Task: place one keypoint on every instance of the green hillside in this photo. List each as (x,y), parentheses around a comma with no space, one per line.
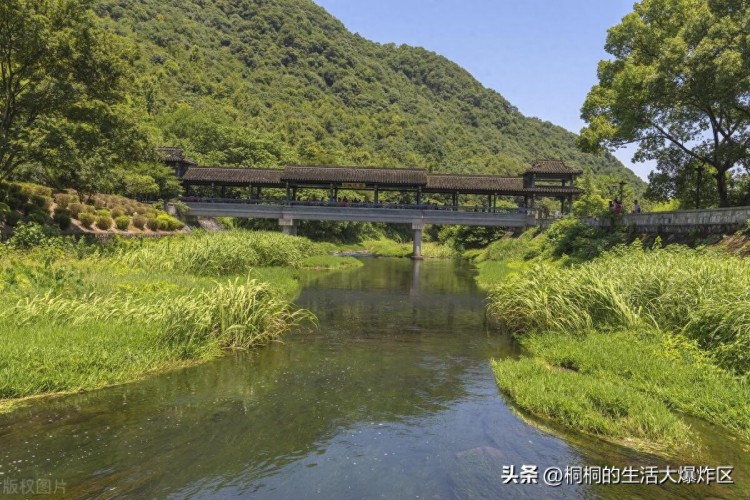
(282,81)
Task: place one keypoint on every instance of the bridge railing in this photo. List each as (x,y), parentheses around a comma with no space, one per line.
(349,204)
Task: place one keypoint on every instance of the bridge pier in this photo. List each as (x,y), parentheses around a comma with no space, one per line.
(417,228)
(288,226)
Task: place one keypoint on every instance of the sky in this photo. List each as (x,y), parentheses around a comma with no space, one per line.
(541,55)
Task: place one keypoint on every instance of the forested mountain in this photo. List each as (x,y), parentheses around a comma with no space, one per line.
(282,81)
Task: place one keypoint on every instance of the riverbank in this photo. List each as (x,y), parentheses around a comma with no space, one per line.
(84,316)
(624,344)
(386,247)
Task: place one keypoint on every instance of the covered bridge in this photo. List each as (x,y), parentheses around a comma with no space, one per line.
(545,178)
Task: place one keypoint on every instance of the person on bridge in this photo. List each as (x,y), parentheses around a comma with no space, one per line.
(636,208)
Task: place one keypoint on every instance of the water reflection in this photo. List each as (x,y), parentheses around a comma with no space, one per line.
(393,398)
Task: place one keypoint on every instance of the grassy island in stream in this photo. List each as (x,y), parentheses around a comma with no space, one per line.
(80,316)
(626,344)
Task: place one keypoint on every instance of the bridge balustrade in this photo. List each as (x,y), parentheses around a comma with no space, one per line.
(350,204)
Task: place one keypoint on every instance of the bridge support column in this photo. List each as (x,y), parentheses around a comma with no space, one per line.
(288,226)
(417,228)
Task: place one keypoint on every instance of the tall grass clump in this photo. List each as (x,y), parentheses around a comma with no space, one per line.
(79,316)
(234,315)
(701,295)
(221,254)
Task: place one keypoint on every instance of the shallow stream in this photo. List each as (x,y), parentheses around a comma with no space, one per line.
(392,397)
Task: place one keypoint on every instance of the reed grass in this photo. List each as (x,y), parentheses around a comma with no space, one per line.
(82,317)
(222,253)
(233,315)
(667,329)
(699,294)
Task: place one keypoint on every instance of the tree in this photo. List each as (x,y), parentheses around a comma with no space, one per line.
(679,177)
(680,80)
(140,186)
(60,77)
(146,180)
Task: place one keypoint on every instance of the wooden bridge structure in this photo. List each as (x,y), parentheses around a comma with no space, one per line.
(284,194)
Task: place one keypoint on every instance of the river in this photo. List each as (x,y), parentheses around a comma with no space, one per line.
(391,397)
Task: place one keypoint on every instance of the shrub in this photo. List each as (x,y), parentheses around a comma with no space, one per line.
(16,201)
(28,207)
(122,222)
(38,216)
(99,203)
(30,190)
(4,211)
(62,218)
(41,201)
(152,224)
(103,213)
(27,236)
(13,217)
(139,221)
(87,219)
(168,223)
(117,212)
(163,223)
(65,200)
(75,209)
(104,222)
(175,224)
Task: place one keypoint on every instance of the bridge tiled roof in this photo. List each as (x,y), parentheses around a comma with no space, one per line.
(239,176)
(359,175)
(552,167)
(473,183)
(407,178)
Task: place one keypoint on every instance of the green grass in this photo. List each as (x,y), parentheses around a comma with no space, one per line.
(701,295)
(79,317)
(385,247)
(594,406)
(668,368)
(330,262)
(492,272)
(49,357)
(221,253)
(669,328)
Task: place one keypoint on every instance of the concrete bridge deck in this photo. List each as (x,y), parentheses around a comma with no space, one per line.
(409,214)
(417,215)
